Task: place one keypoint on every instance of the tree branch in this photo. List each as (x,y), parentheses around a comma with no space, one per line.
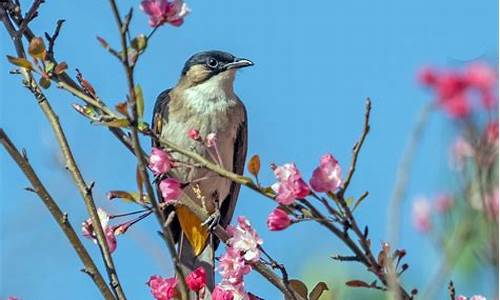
(60,217)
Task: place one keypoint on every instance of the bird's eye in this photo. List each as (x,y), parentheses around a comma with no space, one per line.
(212,63)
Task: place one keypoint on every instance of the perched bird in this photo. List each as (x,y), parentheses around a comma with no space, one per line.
(204,99)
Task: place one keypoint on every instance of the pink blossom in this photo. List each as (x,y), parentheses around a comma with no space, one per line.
(197,279)
(232,266)
(245,239)
(165,11)
(326,177)
(160,162)
(461,297)
(13,298)
(427,76)
(109,232)
(461,151)
(453,88)
(290,185)
(170,189)
(225,291)
(443,203)
(211,140)
(422,215)
(484,78)
(194,134)
(478,297)
(162,288)
(278,219)
(491,132)
(219,293)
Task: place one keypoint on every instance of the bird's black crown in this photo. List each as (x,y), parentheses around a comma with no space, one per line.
(213,59)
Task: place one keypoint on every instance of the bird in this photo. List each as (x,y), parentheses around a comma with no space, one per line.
(204,100)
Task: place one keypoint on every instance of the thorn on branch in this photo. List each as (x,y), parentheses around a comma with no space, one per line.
(88,272)
(89,187)
(30,189)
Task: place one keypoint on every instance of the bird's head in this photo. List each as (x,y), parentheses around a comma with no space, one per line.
(212,68)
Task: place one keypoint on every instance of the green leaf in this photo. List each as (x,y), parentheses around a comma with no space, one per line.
(127,196)
(120,123)
(318,290)
(349,201)
(20,62)
(140,42)
(299,287)
(139,100)
(143,126)
(37,48)
(44,82)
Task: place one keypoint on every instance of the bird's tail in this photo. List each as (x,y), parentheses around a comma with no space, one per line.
(205,259)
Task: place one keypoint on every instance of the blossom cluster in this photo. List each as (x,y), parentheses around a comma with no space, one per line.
(165,11)
(454,89)
(236,262)
(166,288)
(291,186)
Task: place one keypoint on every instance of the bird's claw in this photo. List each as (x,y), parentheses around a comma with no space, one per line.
(212,221)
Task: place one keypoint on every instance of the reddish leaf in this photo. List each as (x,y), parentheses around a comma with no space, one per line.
(60,68)
(357,283)
(254,165)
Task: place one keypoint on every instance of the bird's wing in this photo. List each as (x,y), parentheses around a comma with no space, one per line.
(160,114)
(160,117)
(240,153)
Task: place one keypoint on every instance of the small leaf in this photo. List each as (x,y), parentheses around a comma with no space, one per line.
(87,87)
(103,42)
(254,165)
(44,82)
(49,66)
(60,68)
(140,42)
(127,196)
(120,123)
(268,191)
(349,201)
(37,48)
(143,126)
(318,290)
(121,107)
(139,98)
(20,62)
(299,287)
(357,283)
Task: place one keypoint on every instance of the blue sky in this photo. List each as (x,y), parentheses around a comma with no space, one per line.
(314,66)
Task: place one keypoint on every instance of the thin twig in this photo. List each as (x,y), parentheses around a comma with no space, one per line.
(58,215)
(132,102)
(70,161)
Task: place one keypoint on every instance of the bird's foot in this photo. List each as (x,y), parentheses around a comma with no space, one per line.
(212,220)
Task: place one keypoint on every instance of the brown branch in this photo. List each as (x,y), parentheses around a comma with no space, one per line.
(132,103)
(357,147)
(85,192)
(60,217)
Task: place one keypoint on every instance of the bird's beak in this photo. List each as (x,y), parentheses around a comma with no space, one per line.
(239,63)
